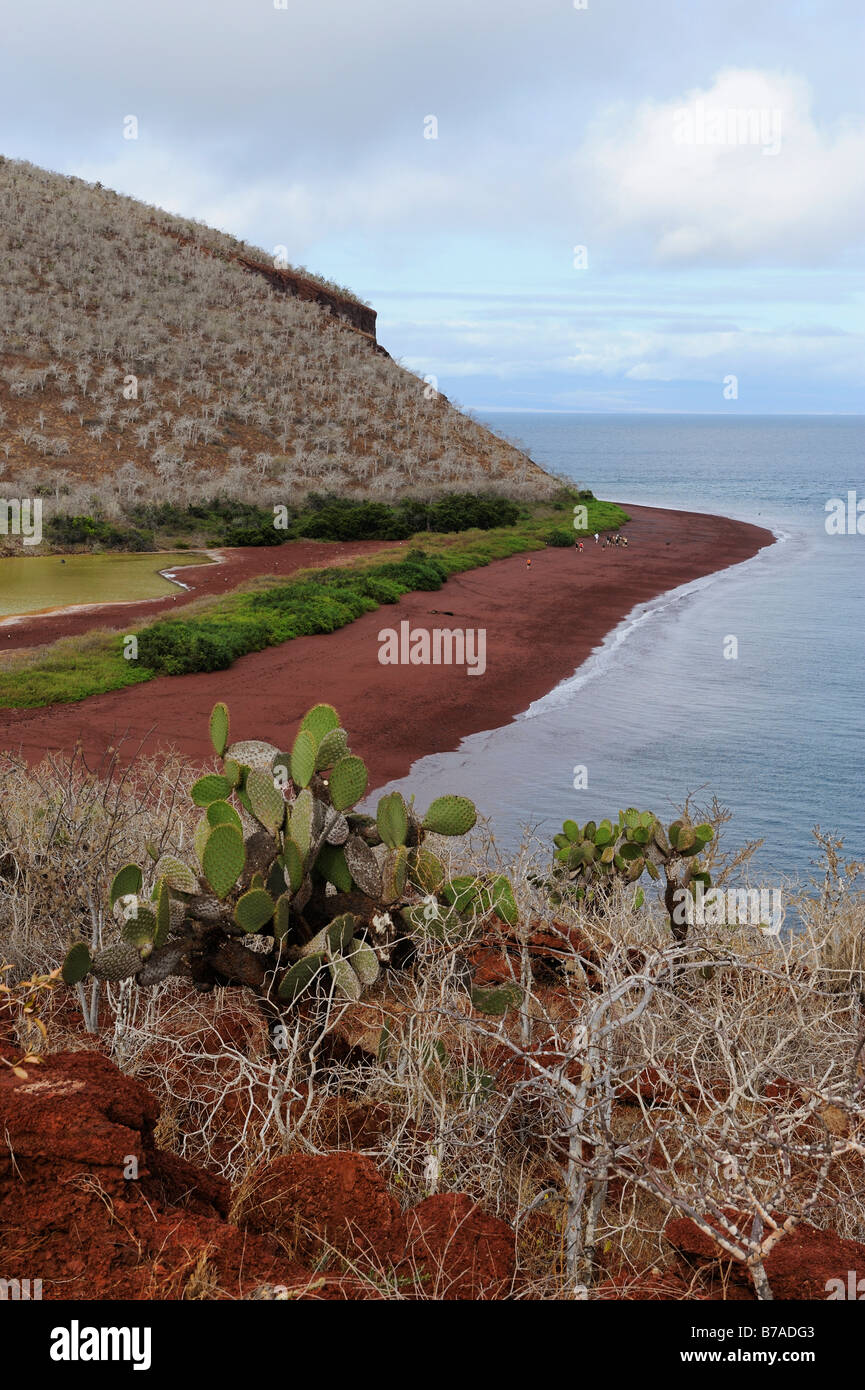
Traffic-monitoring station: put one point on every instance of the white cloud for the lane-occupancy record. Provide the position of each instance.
(708, 202)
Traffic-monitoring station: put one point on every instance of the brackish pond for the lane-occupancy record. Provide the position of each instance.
(29, 584)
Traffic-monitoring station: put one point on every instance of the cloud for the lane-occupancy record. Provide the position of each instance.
(734, 173)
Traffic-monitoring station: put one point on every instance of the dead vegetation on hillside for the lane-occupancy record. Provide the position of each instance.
(133, 367)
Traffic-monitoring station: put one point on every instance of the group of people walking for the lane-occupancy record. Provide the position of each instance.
(617, 539)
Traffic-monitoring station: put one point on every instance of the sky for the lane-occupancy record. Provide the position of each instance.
(585, 205)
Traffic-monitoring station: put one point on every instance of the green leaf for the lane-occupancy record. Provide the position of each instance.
(392, 820)
(223, 813)
(223, 859)
(219, 728)
(320, 720)
(267, 802)
(176, 874)
(77, 963)
(210, 788)
(163, 914)
(254, 910)
(300, 977)
(293, 866)
(347, 782)
(127, 880)
(303, 758)
(331, 865)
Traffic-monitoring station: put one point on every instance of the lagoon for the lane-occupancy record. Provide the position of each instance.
(34, 583)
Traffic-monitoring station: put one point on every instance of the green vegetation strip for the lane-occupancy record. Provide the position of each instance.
(213, 633)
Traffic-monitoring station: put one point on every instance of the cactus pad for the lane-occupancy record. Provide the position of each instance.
(450, 815)
(254, 910)
(299, 977)
(363, 866)
(345, 980)
(210, 788)
(76, 965)
(303, 758)
(176, 874)
(223, 858)
(127, 880)
(347, 782)
(117, 962)
(301, 824)
(333, 746)
(219, 728)
(267, 802)
(320, 721)
(392, 820)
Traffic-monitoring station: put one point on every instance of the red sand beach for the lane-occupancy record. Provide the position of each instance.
(541, 623)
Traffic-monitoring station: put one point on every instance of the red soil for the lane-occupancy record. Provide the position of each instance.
(541, 624)
(93, 1207)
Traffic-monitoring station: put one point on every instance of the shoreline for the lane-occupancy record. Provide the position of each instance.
(541, 624)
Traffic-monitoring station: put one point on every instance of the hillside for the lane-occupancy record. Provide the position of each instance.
(250, 379)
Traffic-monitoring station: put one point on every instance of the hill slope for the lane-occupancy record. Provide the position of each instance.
(257, 381)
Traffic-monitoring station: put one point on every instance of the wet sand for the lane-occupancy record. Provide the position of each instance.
(541, 623)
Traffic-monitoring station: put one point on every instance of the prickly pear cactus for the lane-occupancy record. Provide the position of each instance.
(282, 855)
(591, 861)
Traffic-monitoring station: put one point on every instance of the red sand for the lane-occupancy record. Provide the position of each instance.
(541, 623)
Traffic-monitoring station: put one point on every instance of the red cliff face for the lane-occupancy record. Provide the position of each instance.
(360, 316)
(343, 307)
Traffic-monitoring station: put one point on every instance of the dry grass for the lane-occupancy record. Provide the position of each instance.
(632, 1085)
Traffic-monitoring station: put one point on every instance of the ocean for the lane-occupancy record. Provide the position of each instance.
(776, 734)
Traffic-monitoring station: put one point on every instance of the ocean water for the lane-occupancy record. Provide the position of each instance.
(657, 713)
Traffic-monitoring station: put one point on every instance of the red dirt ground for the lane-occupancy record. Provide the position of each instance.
(541, 624)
